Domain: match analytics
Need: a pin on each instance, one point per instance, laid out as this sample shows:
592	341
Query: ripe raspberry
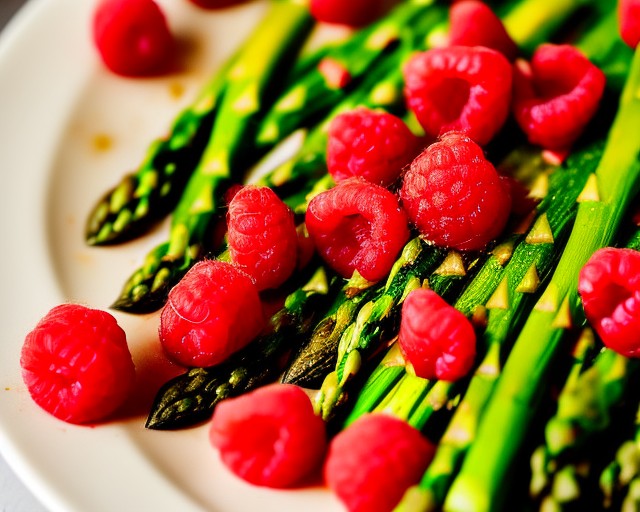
372	145
270	437
454	196
211	313
473	23
435	338
76	364
372	462
355	13
459	88
358	226
132	36
629	18
556	96
262	236
609	285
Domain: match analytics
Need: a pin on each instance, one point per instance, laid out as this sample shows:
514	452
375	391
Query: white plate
56	102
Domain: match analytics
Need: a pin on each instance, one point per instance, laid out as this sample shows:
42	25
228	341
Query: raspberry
556	96
609	285
270	437
211	313
262	236
355	13
335	74
459	88
76	364
132	36
357	226
629	18
372	462
473	23
437	340
454	196
372	145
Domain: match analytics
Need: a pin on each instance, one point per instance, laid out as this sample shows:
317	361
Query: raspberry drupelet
357	226
76	364
629	19
261	236
369	144
454	196
459	88
211	313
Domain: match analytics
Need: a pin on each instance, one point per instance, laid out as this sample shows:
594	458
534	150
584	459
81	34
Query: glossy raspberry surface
609	285
556	95
435	338
629	19
211	313
262	236
270	437
454	196
459	88
358	226
473	23
76	364
354	13
132	37
369	144
372	462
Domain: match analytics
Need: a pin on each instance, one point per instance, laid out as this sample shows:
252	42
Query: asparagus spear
151	192
248	83
191	397
515	401
314	94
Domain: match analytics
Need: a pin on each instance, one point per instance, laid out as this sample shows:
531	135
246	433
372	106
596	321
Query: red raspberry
629	18
132	36
262	236
372	145
609	285
270	437
372	462
355	13
358	226
473	23
454	196
437	340
335	74
211	313
459	88
76	364
557	95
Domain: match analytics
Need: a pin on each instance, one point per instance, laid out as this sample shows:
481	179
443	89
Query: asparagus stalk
374	320
248	83
314	94
191	397
152	191
515	400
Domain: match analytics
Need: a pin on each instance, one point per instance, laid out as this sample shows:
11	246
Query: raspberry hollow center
450	96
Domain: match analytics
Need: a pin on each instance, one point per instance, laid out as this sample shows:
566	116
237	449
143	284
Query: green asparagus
269	48
509	413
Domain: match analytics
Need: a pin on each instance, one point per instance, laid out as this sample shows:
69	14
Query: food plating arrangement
401	259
